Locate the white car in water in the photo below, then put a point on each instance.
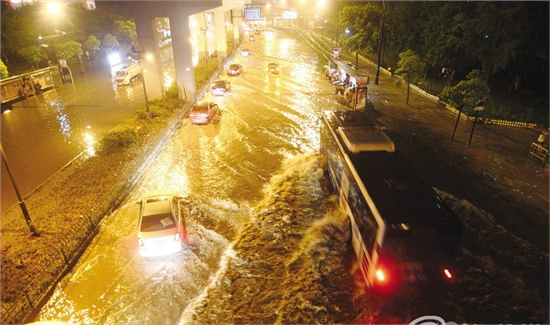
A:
(162, 228)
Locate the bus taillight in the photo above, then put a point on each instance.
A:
(380, 275)
(448, 273)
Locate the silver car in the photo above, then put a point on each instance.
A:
(162, 228)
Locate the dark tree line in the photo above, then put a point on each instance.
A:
(72, 33)
(460, 35)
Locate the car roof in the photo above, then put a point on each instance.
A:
(156, 207)
(159, 192)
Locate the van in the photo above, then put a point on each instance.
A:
(127, 74)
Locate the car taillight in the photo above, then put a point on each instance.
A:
(448, 273)
(381, 275)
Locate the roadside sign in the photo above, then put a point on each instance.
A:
(362, 80)
(480, 106)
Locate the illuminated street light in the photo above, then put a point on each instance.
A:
(54, 8)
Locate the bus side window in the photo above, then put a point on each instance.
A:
(363, 217)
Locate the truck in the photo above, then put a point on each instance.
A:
(127, 74)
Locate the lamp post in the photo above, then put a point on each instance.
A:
(19, 198)
(134, 51)
(380, 42)
(205, 31)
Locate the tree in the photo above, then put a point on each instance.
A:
(467, 93)
(411, 67)
(32, 54)
(363, 22)
(69, 50)
(5, 72)
(110, 42)
(125, 30)
(92, 45)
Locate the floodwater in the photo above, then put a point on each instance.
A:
(266, 242)
(42, 134)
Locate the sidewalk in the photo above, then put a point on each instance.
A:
(493, 172)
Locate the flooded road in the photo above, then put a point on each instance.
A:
(266, 243)
(224, 170)
(43, 133)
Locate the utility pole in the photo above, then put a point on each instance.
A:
(337, 17)
(19, 198)
(143, 79)
(380, 42)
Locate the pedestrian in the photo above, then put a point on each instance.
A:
(541, 139)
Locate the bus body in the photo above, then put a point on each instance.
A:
(401, 230)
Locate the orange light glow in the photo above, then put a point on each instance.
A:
(448, 273)
(380, 275)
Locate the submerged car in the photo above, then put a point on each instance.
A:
(273, 68)
(235, 70)
(202, 113)
(245, 52)
(162, 228)
(220, 87)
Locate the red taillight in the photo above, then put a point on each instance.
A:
(448, 273)
(380, 275)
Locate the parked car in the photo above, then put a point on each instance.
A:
(273, 68)
(162, 228)
(202, 113)
(220, 87)
(235, 70)
(245, 52)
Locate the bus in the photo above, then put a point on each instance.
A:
(402, 232)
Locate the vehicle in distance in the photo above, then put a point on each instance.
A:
(402, 232)
(127, 74)
(220, 87)
(162, 228)
(273, 68)
(252, 38)
(202, 113)
(245, 52)
(234, 70)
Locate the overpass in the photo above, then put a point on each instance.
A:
(174, 35)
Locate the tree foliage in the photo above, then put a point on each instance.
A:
(411, 66)
(110, 42)
(467, 93)
(92, 45)
(32, 54)
(5, 72)
(363, 22)
(68, 50)
(125, 30)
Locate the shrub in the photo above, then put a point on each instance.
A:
(119, 137)
(398, 82)
(204, 71)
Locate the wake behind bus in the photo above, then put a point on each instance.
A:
(402, 233)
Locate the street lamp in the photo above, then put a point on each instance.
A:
(205, 31)
(19, 198)
(139, 58)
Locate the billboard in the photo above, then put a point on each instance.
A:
(252, 14)
(290, 14)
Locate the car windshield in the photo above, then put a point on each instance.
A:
(234, 67)
(200, 109)
(157, 222)
(121, 73)
(219, 84)
(272, 65)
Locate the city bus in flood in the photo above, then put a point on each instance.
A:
(402, 232)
